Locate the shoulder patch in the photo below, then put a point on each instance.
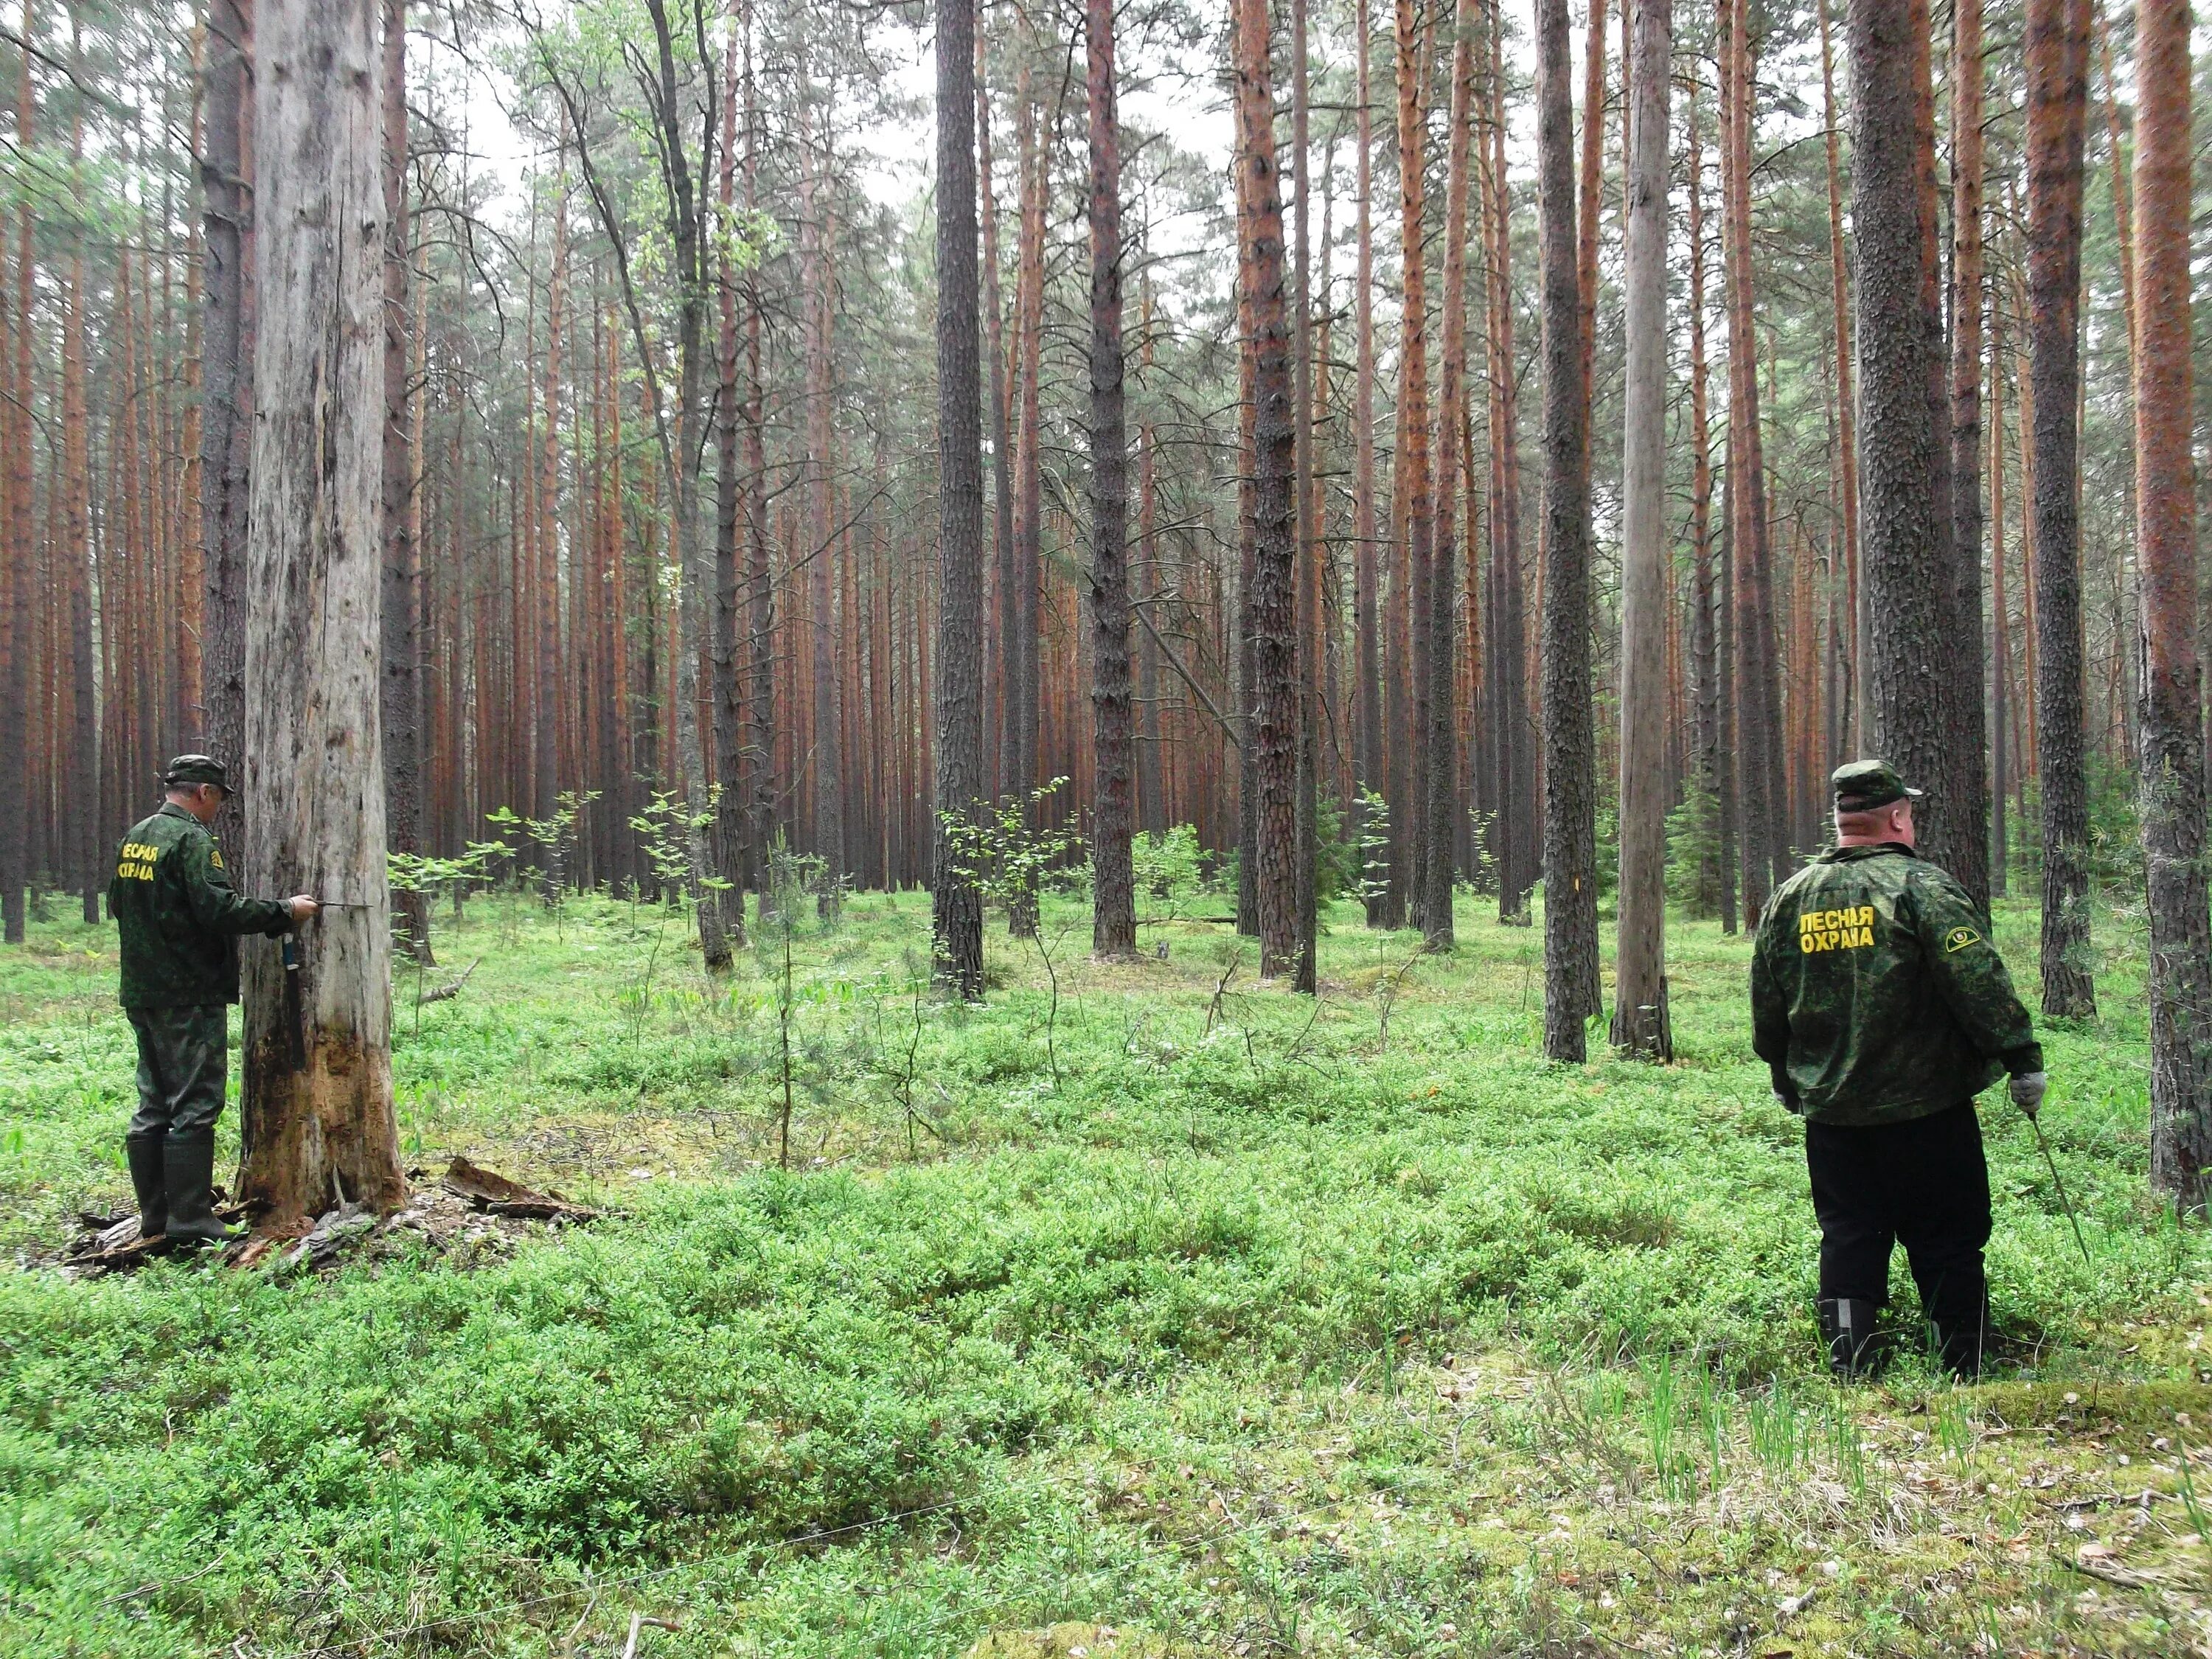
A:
(1960, 939)
(215, 857)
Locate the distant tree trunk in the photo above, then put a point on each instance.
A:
(1716, 878)
(1366, 654)
(731, 808)
(1571, 965)
(18, 572)
(1306, 555)
(1018, 745)
(83, 812)
(1847, 414)
(402, 574)
(760, 595)
(1440, 813)
(2057, 99)
(317, 1123)
(1412, 500)
(1590, 191)
(829, 766)
(1270, 606)
(2170, 784)
(1518, 826)
(996, 698)
(1968, 819)
(1640, 1024)
(227, 350)
(2002, 758)
(1908, 652)
(1113, 902)
(957, 921)
(1762, 822)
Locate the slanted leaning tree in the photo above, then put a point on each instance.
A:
(316, 1119)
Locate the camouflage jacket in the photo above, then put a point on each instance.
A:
(179, 917)
(1875, 993)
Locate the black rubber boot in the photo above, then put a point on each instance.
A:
(149, 1183)
(188, 1174)
(1847, 1326)
(1961, 1341)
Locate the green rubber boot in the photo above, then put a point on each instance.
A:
(149, 1183)
(188, 1175)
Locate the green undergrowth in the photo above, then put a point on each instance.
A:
(1182, 1309)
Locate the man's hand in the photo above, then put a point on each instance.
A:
(2027, 1089)
(302, 907)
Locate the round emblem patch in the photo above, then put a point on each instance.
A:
(1961, 938)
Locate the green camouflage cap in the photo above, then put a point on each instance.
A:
(186, 770)
(1862, 786)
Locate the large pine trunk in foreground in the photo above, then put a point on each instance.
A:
(1640, 1014)
(2057, 99)
(1113, 902)
(958, 908)
(2172, 781)
(1270, 607)
(1908, 653)
(317, 1121)
(1571, 965)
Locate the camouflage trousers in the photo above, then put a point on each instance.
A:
(183, 1055)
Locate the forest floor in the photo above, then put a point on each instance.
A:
(1186, 1319)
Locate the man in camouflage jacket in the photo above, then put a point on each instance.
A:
(1882, 1010)
(180, 921)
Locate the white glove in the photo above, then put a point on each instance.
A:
(2027, 1089)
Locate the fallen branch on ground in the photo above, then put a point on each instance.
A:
(498, 1195)
(447, 993)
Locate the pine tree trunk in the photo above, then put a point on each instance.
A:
(2057, 98)
(1967, 820)
(317, 1125)
(731, 803)
(402, 576)
(2171, 784)
(1716, 876)
(19, 612)
(1113, 906)
(1306, 552)
(1440, 751)
(996, 367)
(1640, 1023)
(1019, 749)
(1518, 828)
(828, 749)
(1369, 777)
(1761, 817)
(1270, 606)
(959, 912)
(1411, 486)
(1908, 650)
(1571, 965)
(227, 351)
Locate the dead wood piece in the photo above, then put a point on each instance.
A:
(496, 1195)
(118, 1258)
(447, 992)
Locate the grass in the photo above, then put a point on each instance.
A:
(1252, 1334)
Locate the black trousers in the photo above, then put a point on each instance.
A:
(1922, 1183)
